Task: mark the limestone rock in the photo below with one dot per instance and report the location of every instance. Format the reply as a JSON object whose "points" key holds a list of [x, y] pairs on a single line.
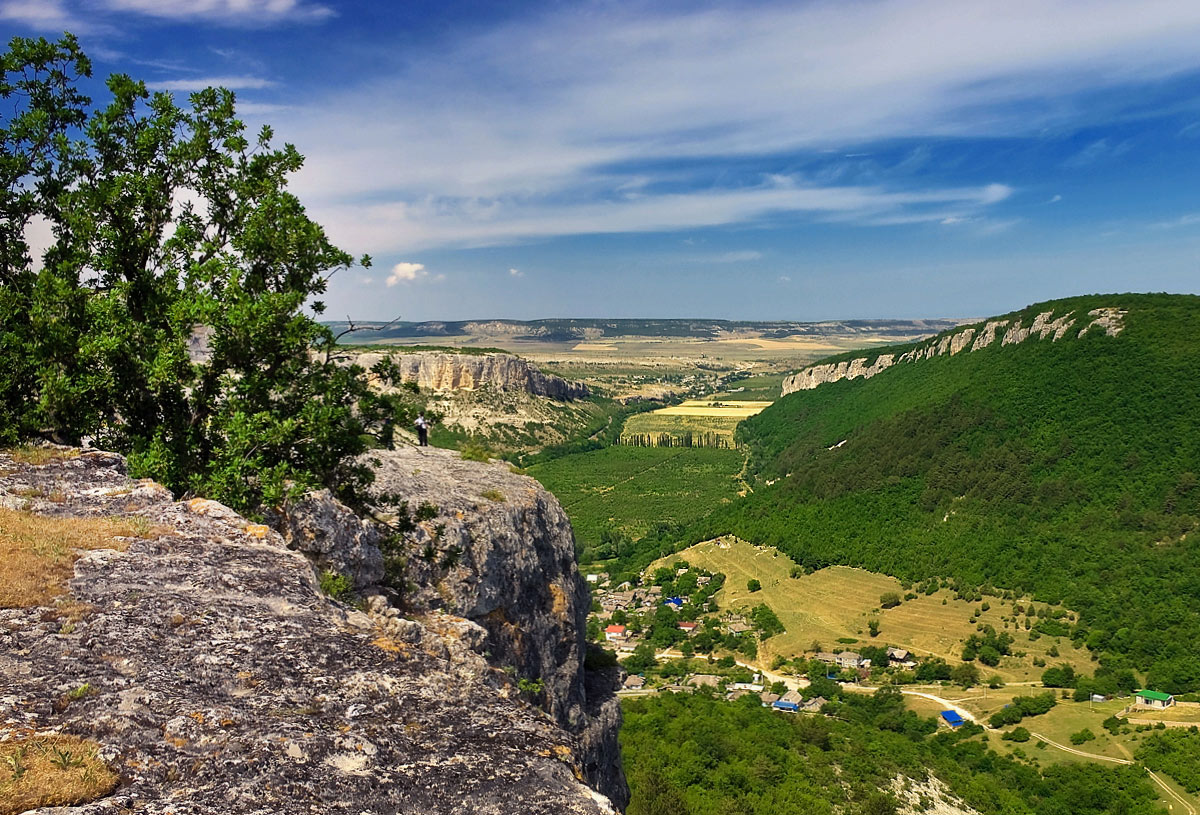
{"points": [[499, 551], [1110, 320], [448, 372], [332, 537], [223, 681]]}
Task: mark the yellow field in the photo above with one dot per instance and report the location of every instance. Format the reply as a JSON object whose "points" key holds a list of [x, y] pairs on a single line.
{"points": [[703, 407], [836, 603], [696, 416]]}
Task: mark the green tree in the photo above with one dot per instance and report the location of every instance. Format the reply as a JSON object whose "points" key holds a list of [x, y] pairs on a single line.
{"points": [[753, 584], [169, 224]]}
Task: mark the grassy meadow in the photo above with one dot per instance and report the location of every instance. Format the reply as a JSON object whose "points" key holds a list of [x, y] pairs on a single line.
{"points": [[836, 603]]}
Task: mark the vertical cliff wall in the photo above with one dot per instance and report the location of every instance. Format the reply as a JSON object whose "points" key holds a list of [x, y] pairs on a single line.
{"points": [[449, 372], [496, 548]]}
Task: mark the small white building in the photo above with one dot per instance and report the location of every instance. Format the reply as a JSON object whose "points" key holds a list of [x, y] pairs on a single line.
{"points": [[1153, 699]]}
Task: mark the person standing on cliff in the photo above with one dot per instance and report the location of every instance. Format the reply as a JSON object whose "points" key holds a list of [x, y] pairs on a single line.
{"points": [[422, 426]]}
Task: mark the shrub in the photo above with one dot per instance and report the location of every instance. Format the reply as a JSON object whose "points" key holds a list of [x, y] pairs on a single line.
{"points": [[1018, 734], [753, 585], [1082, 736], [336, 585]]}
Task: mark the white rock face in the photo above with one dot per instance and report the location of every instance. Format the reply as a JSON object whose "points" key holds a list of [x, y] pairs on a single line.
{"points": [[1108, 320], [450, 372]]}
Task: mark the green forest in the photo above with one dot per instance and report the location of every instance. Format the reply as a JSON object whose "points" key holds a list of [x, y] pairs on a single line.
{"points": [[1065, 469], [695, 754]]}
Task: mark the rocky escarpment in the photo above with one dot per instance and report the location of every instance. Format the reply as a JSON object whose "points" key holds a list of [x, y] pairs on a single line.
{"points": [[496, 548], [1007, 331], [450, 372], [219, 679]]}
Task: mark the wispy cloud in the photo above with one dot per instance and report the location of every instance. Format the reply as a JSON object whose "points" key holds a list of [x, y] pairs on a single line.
{"points": [[740, 256], [516, 273], [251, 12], [41, 15], [494, 151], [189, 84], [1098, 150], [1189, 219]]}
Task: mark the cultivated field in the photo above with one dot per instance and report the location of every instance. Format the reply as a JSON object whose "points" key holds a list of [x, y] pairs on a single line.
{"points": [[629, 489], [837, 602], [700, 417]]}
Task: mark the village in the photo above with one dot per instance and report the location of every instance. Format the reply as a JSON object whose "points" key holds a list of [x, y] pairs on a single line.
{"points": [[670, 635], [664, 628]]}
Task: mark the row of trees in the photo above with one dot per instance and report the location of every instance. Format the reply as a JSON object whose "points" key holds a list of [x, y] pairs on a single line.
{"points": [[170, 229]]}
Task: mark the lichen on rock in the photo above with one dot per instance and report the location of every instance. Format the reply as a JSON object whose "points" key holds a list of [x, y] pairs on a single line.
{"points": [[221, 680]]}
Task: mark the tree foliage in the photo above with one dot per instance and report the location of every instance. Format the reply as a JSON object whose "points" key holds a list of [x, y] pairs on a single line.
{"points": [[172, 229], [700, 755]]}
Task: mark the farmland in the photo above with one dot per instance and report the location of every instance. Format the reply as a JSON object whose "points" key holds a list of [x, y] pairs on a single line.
{"points": [[629, 489], [703, 419], [836, 603]]}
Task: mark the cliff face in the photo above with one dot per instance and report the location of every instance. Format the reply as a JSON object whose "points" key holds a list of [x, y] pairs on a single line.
{"points": [[221, 680], [445, 372], [1009, 332], [499, 551]]}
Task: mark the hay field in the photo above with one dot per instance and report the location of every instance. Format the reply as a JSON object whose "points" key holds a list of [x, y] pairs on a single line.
{"points": [[696, 416], [710, 407], [836, 603]]}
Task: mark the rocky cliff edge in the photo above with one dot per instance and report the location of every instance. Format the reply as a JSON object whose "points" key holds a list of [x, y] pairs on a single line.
{"points": [[219, 678], [449, 372]]}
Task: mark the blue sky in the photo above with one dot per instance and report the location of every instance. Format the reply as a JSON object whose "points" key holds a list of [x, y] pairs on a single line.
{"points": [[804, 161]]}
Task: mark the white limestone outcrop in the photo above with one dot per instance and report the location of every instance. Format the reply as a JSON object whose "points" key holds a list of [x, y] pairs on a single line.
{"points": [[1010, 332]]}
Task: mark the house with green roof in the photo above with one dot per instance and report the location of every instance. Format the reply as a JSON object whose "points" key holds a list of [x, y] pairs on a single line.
{"points": [[1153, 699]]}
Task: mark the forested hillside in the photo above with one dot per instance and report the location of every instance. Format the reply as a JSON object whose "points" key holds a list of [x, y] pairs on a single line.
{"points": [[699, 754], [1063, 468]]}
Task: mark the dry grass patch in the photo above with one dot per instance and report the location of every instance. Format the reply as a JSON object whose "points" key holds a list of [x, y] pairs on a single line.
{"points": [[39, 456], [837, 602], [38, 554], [40, 771]]}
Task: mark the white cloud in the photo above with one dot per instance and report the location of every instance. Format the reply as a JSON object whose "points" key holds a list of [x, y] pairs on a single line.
{"points": [[516, 273], [233, 83], [561, 124], [407, 273], [1055, 199], [253, 12], [42, 15], [785, 279]]}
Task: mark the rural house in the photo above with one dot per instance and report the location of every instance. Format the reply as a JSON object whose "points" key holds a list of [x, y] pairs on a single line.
{"points": [[704, 680], [737, 629], [688, 628], [614, 633], [849, 659], [1153, 699], [814, 704], [634, 682]]}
